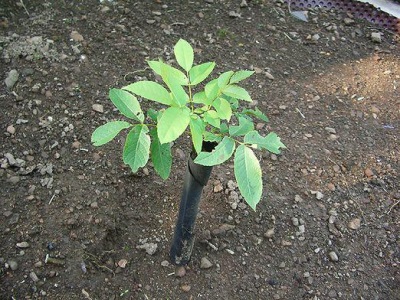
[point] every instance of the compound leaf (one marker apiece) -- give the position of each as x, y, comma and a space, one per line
105, 133
248, 175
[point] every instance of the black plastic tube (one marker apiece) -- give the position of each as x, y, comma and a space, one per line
196, 178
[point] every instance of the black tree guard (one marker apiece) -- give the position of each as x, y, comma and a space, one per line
195, 180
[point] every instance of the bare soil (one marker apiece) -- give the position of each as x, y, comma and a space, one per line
328, 224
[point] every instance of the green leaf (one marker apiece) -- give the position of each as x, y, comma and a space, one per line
173, 123
244, 127
211, 137
257, 113
212, 90
200, 72
223, 108
237, 92
150, 90
248, 175
160, 155
127, 104
180, 98
184, 54
153, 114
176, 74
197, 128
223, 79
271, 142
137, 147
240, 75
224, 129
201, 98
105, 133
212, 118
222, 152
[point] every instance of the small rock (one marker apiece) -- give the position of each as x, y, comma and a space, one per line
368, 172
375, 109
13, 179
33, 276
269, 75
223, 229
333, 256
331, 187
218, 187
348, 21
23, 245
205, 263
76, 145
295, 221
330, 130
13, 265
298, 199
150, 248
11, 79
122, 263
243, 4
76, 36
186, 288
319, 195
355, 224
98, 107
315, 37
376, 37
302, 229
274, 157
11, 129
269, 233
165, 263
180, 271
234, 14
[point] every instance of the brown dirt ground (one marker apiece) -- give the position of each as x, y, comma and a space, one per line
84, 203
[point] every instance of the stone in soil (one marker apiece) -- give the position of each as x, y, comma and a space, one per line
180, 271
11, 129
333, 256
355, 224
11, 79
186, 288
13, 265
205, 263
150, 248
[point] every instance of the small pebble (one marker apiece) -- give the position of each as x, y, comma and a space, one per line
205, 263
98, 107
11, 129
269, 233
368, 172
13, 265
33, 276
186, 288
23, 245
333, 256
180, 271
355, 224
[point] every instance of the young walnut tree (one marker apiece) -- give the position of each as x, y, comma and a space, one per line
212, 114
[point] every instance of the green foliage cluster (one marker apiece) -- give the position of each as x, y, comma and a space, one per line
213, 114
